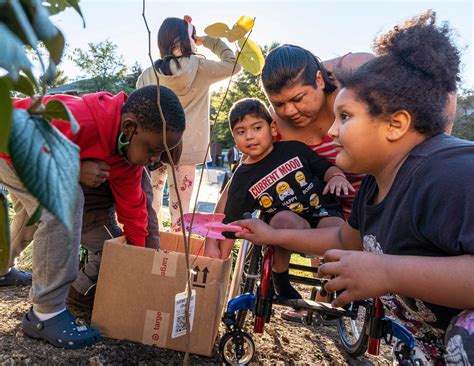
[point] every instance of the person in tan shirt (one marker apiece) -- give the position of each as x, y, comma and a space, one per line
190, 77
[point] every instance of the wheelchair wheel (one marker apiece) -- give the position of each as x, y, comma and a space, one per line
353, 332
251, 271
237, 348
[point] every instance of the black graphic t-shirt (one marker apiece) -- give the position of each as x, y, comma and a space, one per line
429, 211
291, 177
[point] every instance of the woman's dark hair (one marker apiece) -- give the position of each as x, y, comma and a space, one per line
172, 34
287, 65
417, 66
246, 107
142, 103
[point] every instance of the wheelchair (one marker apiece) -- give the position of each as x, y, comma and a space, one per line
361, 325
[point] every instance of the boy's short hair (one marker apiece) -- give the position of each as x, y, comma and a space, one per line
142, 103
245, 107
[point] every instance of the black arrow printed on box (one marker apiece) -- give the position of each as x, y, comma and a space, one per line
196, 273
205, 271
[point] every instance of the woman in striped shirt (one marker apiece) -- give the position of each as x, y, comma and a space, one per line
302, 91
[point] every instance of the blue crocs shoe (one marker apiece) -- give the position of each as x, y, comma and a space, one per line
62, 331
16, 277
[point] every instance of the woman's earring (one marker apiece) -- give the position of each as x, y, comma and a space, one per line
122, 145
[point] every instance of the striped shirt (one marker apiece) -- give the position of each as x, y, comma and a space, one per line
326, 149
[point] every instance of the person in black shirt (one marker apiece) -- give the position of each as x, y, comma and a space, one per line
413, 216
285, 180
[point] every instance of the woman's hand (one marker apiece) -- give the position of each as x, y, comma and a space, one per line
358, 275
93, 172
258, 231
338, 185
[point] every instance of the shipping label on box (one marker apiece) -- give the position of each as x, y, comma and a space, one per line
140, 295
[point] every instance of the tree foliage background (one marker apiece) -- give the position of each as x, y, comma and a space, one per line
103, 69
245, 85
464, 123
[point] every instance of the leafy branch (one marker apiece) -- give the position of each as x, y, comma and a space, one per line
46, 162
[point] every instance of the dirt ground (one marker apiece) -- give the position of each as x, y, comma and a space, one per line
282, 343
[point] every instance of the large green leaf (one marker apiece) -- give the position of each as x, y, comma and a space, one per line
4, 233
55, 46
39, 19
46, 162
12, 55
251, 57
5, 114
23, 85
55, 109
57, 6
21, 25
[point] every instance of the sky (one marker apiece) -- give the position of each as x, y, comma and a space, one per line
328, 28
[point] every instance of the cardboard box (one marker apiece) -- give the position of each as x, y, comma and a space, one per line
136, 296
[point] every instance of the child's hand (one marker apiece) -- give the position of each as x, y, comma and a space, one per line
93, 172
359, 275
338, 184
258, 231
212, 251
198, 40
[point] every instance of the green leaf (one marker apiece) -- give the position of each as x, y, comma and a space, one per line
12, 56
55, 109
217, 30
56, 6
47, 163
5, 114
36, 216
23, 85
4, 233
250, 57
55, 46
31, 78
22, 26
39, 19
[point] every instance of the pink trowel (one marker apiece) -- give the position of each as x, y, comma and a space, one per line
209, 225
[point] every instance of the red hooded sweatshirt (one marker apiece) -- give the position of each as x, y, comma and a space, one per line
98, 116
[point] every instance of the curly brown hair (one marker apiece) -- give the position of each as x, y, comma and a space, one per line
416, 67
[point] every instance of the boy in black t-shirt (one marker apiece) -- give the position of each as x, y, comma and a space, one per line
285, 180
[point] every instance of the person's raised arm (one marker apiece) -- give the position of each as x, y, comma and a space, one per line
218, 70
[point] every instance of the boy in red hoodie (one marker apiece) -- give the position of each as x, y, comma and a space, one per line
126, 135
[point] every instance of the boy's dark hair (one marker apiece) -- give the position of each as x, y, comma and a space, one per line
245, 107
417, 66
142, 103
288, 64
173, 33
